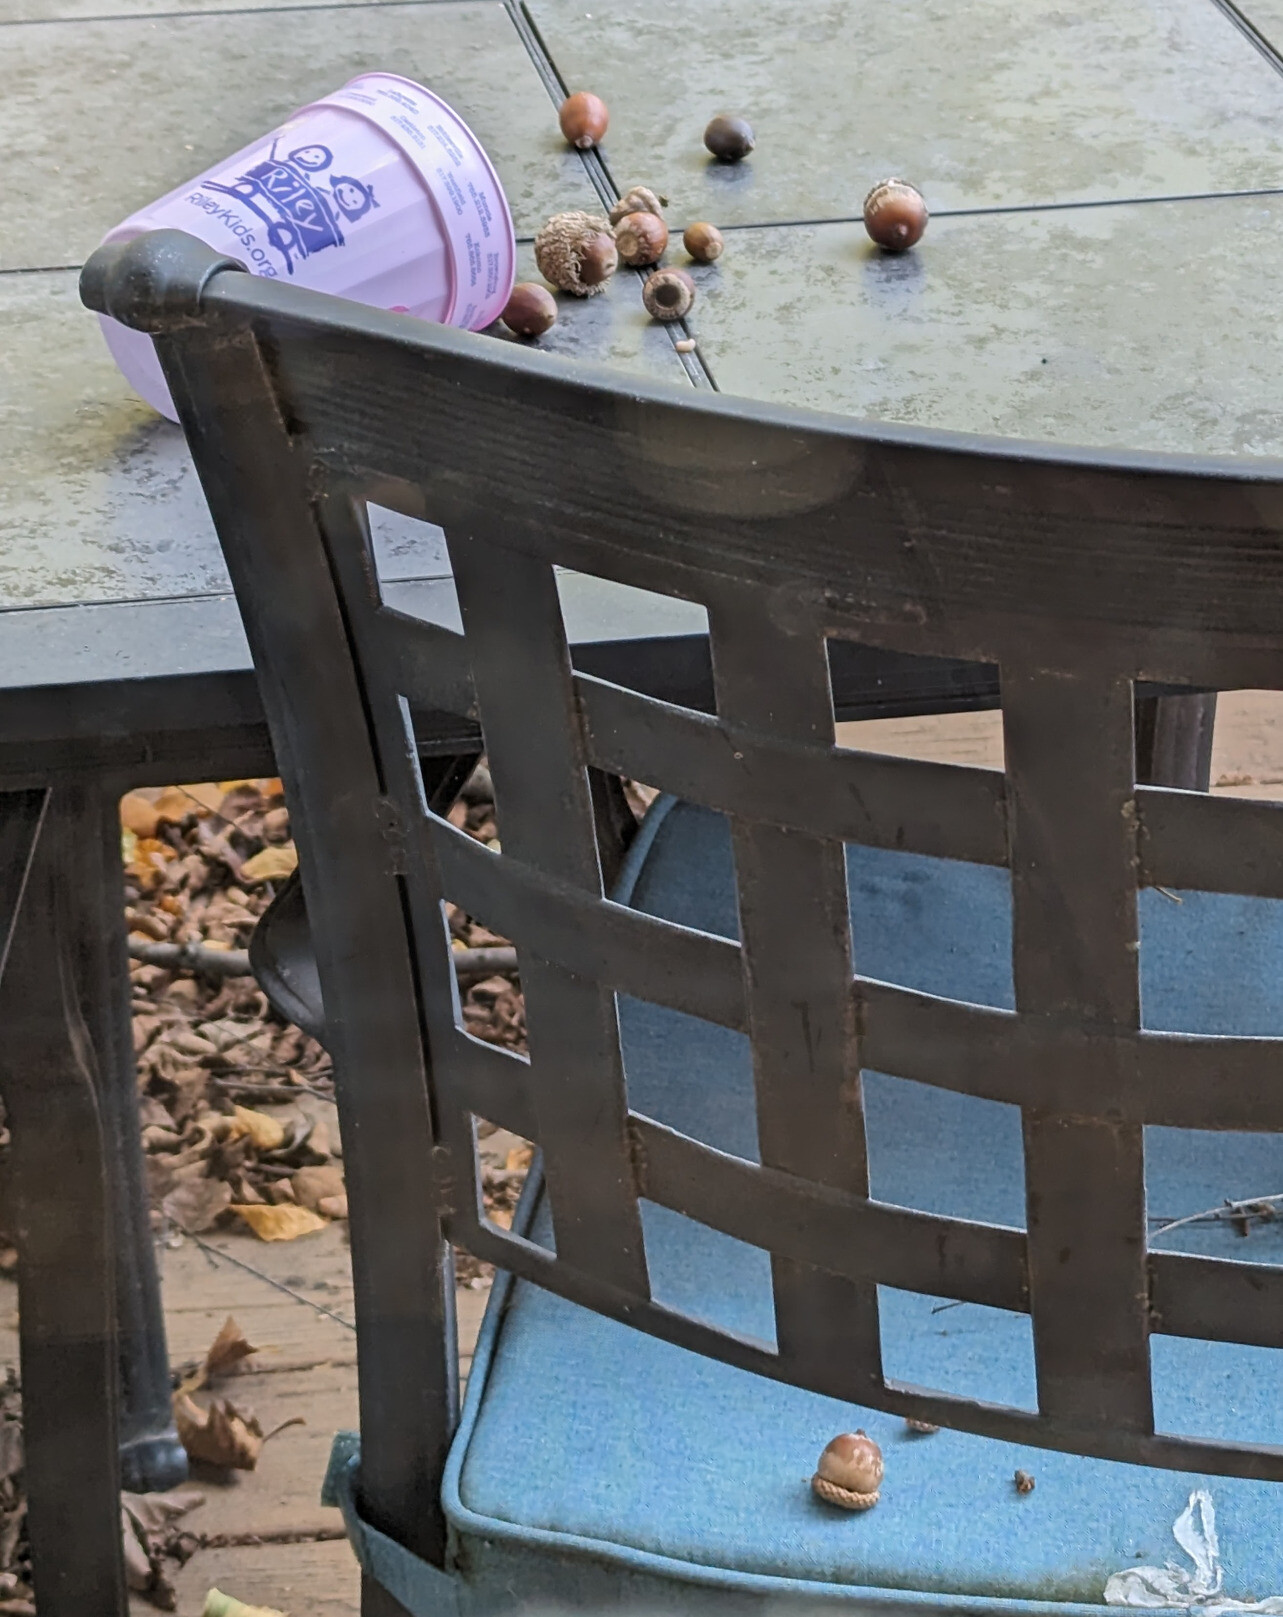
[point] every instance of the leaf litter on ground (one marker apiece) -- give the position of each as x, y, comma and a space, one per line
201, 864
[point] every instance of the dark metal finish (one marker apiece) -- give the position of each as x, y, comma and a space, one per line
1078, 576
88, 816
63, 1193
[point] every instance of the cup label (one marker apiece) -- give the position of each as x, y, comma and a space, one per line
299, 196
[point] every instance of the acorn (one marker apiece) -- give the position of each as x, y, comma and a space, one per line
895, 215
729, 139
668, 294
850, 1472
531, 309
640, 238
1024, 1481
638, 199
583, 119
703, 242
576, 252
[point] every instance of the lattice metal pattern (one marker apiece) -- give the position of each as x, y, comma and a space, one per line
1079, 837
1075, 578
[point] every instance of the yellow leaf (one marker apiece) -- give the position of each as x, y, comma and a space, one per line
265, 1133
271, 864
217, 1604
283, 1221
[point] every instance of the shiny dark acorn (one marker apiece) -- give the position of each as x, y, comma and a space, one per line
729, 139
531, 310
895, 215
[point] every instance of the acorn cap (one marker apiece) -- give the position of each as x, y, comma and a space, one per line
638, 199
560, 249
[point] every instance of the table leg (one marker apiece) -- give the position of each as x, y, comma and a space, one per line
151, 1457
62, 1195
1174, 740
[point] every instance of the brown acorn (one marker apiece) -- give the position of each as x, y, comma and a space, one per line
895, 215
531, 309
703, 242
729, 139
576, 252
640, 238
583, 119
668, 294
850, 1472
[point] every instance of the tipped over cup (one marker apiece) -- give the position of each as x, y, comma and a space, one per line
379, 192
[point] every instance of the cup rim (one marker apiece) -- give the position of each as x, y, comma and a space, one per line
475, 146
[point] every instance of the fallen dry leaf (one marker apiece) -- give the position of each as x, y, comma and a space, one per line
143, 1520
272, 863
221, 1435
312, 1186
285, 1221
228, 1349
333, 1206
217, 1604
173, 806
265, 1133
197, 1204
138, 815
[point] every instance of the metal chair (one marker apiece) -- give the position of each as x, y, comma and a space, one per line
855, 1096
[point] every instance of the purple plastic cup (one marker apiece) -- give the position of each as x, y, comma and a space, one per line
379, 193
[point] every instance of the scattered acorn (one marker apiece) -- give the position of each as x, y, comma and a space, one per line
638, 199
895, 215
583, 119
1024, 1481
668, 294
850, 1472
640, 238
531, 309
576, 252
703, 242
729, 139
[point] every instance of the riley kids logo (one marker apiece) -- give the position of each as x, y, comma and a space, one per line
303, 212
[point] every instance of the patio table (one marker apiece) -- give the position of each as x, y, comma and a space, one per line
1102, 266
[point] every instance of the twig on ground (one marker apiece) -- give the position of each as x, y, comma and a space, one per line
194, 957
281, 1092
279, 1535
215, 1252
200, 958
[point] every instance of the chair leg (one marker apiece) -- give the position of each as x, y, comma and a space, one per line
1174, 740
63, 1207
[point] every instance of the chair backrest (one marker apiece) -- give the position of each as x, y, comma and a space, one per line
1077, 574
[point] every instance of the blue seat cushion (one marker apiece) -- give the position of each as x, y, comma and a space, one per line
594, 1461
